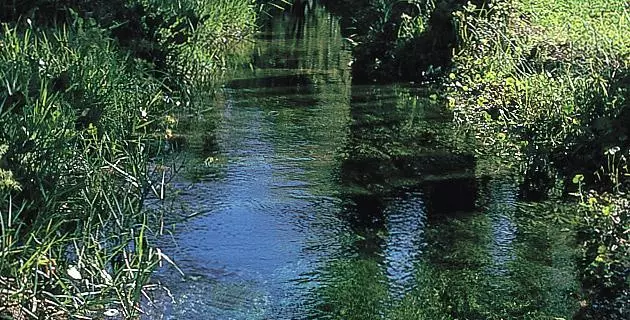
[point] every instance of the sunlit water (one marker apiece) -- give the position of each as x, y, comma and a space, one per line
314, 174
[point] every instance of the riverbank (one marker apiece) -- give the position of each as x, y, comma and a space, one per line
88, 95
544, 86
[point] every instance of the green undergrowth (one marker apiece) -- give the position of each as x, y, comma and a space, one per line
75, 139
187, 37
604, 221
226, 23
529, 82
391, 39
85, 109
544, 86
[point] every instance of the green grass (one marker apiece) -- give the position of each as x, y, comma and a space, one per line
227, 23
73, 143
600, 25
543, 69
83, 116
542, 79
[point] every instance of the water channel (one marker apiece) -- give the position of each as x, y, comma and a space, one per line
329, 200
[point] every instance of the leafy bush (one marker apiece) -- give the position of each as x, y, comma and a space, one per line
529, 91
387, 36
605, 262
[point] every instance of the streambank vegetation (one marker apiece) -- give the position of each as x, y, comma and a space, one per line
88, 90
546, 82
544, 88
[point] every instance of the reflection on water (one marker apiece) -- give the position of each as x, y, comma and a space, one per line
345, 202
501, 207
405, 241
270, 221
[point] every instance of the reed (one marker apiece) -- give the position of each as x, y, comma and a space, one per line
83, 114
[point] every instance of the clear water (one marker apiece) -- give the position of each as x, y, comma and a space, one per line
331, 200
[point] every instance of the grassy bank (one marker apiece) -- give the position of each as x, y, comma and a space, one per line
85, 98
545, 87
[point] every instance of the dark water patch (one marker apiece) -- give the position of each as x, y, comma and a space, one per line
442, 174
451, 196
281, 62
296, 82
275, 103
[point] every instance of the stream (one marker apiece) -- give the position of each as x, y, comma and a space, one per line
328, 200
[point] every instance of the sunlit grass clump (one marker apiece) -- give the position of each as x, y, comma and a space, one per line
73, 148
600, 25
544, 75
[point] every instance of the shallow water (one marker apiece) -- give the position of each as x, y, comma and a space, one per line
349, 202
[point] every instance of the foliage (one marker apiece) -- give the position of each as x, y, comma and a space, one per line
605, 262
604, 236
226, 23
74, 136
386, 35
186, 37
525, 91
411, 40
87, 91
543, 84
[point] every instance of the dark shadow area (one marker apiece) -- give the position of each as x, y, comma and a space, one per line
381, 55
444, 197
607, 132
385, 165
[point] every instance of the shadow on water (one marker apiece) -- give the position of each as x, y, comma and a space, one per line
338, 201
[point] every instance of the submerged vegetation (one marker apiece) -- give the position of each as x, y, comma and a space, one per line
547, 82
85, 96
459, 278
92, 92
543, 87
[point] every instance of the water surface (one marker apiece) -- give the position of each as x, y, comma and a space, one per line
340, 201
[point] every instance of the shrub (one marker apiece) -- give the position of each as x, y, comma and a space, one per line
604, 266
